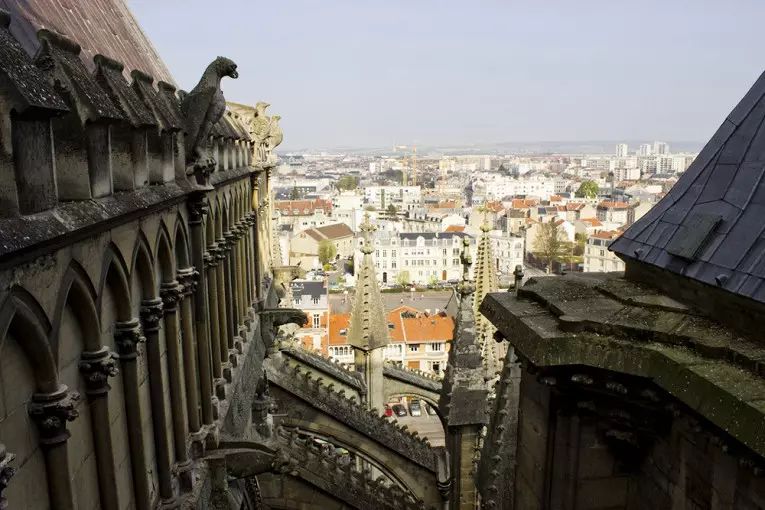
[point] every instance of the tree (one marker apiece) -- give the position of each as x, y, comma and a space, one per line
403, 278
588, 189
327, 251
295, 193
392, 209
347, 183
550, 242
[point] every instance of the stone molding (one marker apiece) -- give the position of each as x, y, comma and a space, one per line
388, 433
6, 473
334, 473
97, 367
171, 293
151, 314
416, 378
187, 278
326, 365
51, 412
127, 336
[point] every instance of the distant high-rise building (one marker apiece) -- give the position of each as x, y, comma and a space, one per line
644, 150
660, 148
621, 150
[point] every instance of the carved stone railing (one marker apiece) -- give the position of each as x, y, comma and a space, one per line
328, 366
417, 378
337, 475
388, 433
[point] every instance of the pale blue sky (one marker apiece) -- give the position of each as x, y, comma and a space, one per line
370, 73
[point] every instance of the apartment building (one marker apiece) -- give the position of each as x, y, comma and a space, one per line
311, 296
597, 257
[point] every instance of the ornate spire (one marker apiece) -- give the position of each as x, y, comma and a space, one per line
368, 329
485, 282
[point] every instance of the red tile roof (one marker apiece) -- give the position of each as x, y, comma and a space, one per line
455, 228
594, 222
416, 329
303, 207
522, 204
613, 205
607, 234
556, 198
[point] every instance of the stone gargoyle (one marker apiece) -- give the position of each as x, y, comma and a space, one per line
202, 108
283, 275
260, 129
272, 319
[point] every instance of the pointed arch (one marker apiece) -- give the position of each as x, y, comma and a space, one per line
210, 222
114, 273
23, 317
218, 219
76, 285
142, 267
180, 228
164, 260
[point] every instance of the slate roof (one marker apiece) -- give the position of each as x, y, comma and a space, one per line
99, 26
309, 288
710, 225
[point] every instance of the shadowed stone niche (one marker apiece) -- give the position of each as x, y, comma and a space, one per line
27, 105
6, 473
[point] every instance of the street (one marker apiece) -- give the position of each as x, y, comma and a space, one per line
424, 301
426, 425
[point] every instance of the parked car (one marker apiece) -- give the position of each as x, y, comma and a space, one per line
388, 411
414, 408
429, 409
399, 410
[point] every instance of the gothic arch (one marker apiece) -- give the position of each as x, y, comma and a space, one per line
210, 224
24, 318
182, 242
76, 285
164, 259
142, 268
114, 273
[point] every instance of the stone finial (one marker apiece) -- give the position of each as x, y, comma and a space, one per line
202, 108
127, 336
97, 367
367, 229
51, 412
6, 471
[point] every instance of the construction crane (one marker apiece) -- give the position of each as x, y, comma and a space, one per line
413, 162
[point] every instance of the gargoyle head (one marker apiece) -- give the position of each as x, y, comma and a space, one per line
260, 107
276, 118
226, 67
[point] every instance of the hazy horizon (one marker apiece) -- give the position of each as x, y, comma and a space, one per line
350, 74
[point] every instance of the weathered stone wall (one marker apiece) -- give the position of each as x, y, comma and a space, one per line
565, 462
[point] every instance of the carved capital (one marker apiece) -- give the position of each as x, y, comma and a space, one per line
171, 293
230, 239
97, 367
187, 277
51, 412
198, 208
127, 336
220, 252
211, 255
151, 314
6, 473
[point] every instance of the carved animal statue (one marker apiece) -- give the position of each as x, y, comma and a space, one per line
261, 127
275, 134
202, 108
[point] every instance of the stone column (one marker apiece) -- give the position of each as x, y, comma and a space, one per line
6, 473
220, 256
97, 367
258, 275
151, 314
51, 412
127, 336
186, 280
198, 208
240, 280
254, 260
211, 264
249, 254
231, 292
172, 292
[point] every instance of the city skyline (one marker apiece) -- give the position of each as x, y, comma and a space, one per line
441, 74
